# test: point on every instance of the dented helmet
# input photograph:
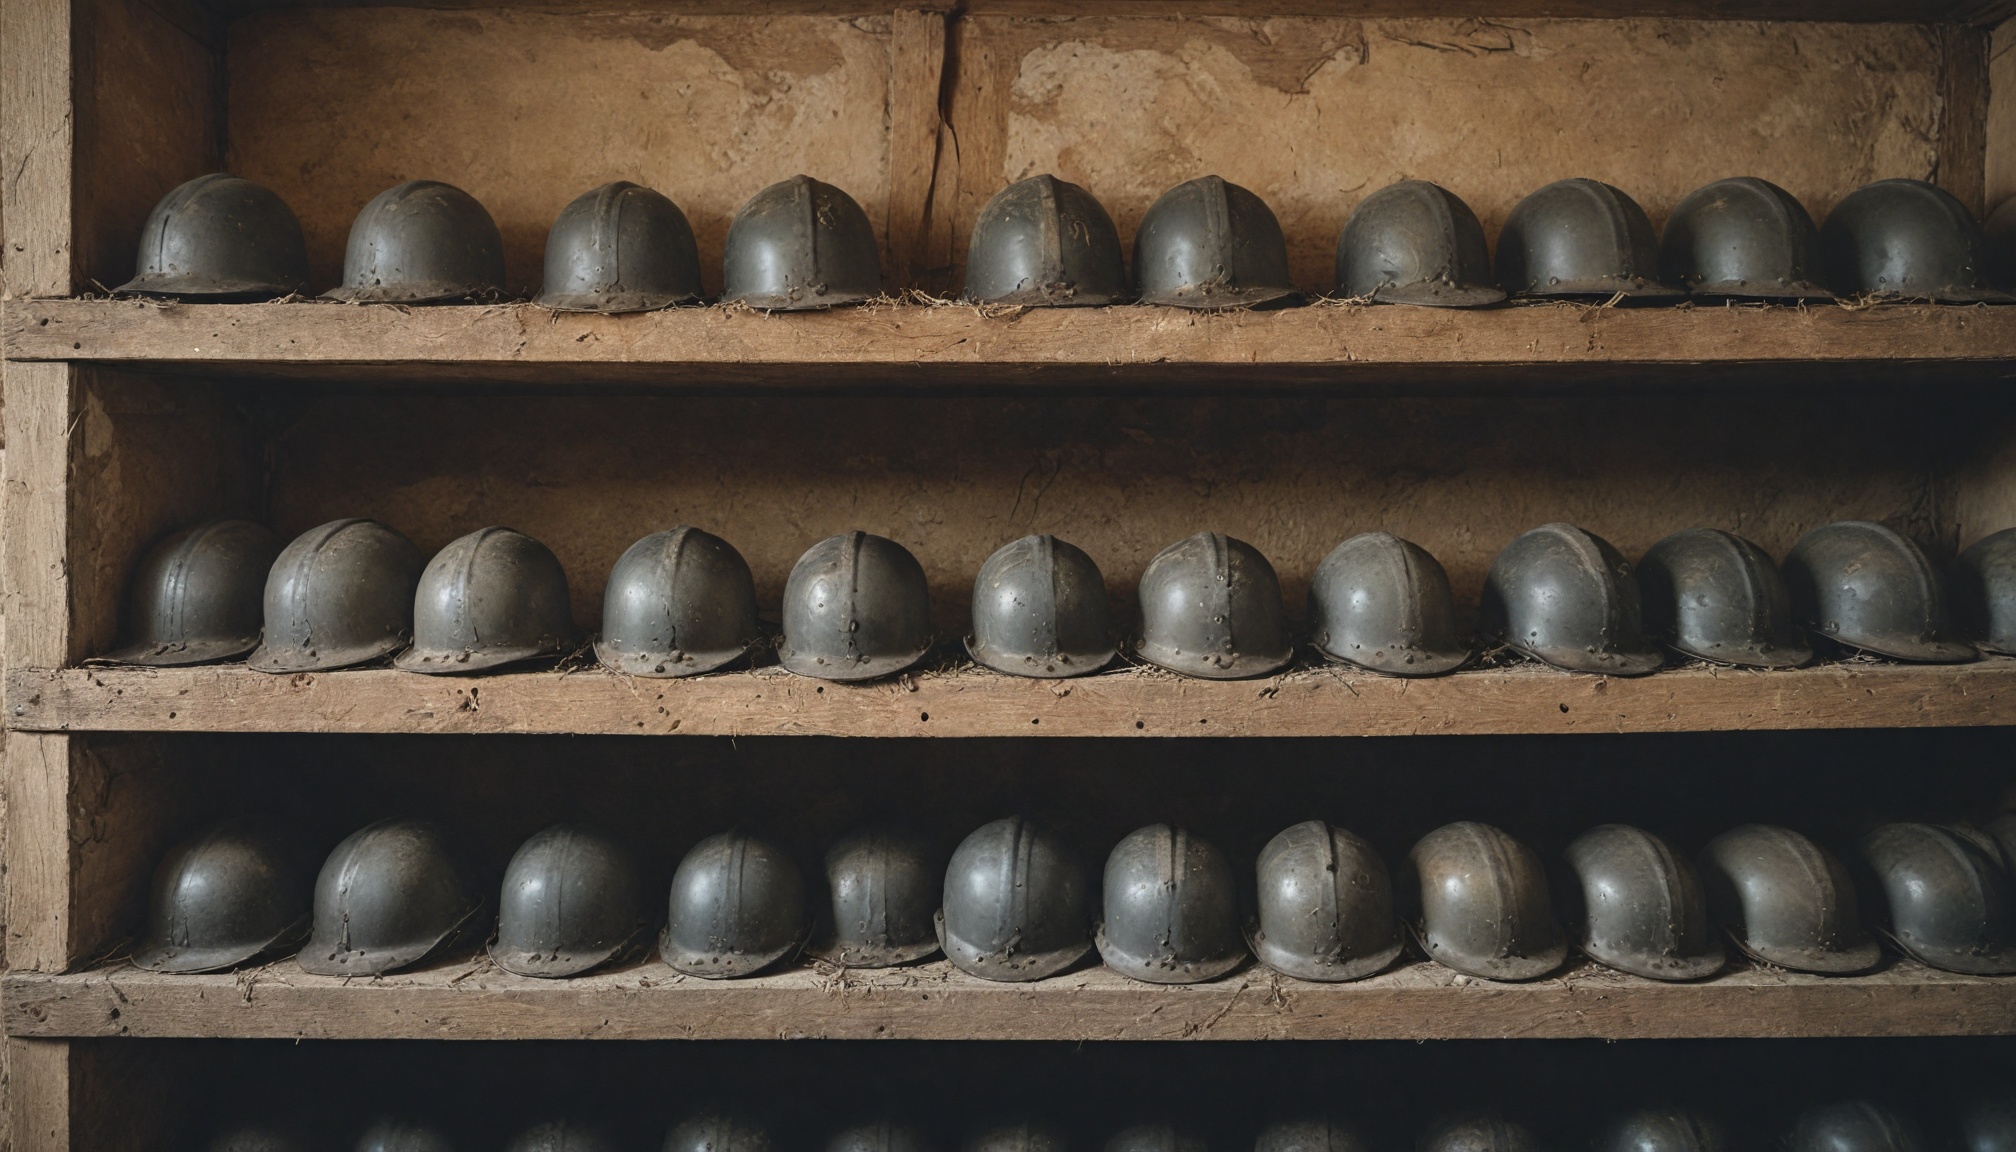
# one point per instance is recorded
(678, 603)
(1211, 608)
(196, 595)
(1481, 904)
(856, 607)
(1039, 609)
(1172, 909)
(1641, 908)
(1854, 1126)
(738, 906)
(1211, 244)
(421, 242)
(1906, 239)
(390, 896)
(491, 598)
(1326, 906)
(620, 248)
(1415, 243)
(800, 245)
(1983, 586)
(1786, 901)
(1015, 905)
(1861, 585)
(882, 891)
(571, 902)
(1042, 242)
(1746, 239)
(1715, 596)
(341, 594)
(1566, 597)
(218, 237)
(232, 895)
(1580, 238)
(1384, 604)
(1944, 897)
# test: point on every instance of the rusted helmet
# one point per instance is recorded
(678, 603)
(1861, 585)
(1565, 596)
(1015, 905)
(1211, 608)
(1384, 603)
(234, 894)
(571, 903)
(1715, 596)
(1989, 1126)
(421, 242)
(880, 1136)
(1172, 909)
(1911, 240)
(1944, 897)
(491, 598)
(1743, 238)
(1320, 1134)
(1156, 1138)
(1018, 1137)
(340, 594)
(1854, 1126)
(855, 607)
(800, 245)
(1786, 901)
(1478, 1132)
(1661, 1129)
(738, 906)
(562, 1136)
(1415, 243)
(195, 596)
(1580, 238)
(218, 237)
(1640, 907)
(1043, 242)
(1480, 904)
(391, 895)
(620, 248)
(1326, 906)
(1210, 244)
(403, 1134)
(1039, 609)
(1983, 584)
(882, 894)
(717, 1132)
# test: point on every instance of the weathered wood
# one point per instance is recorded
(38, 1094)
(1963, 114)
(1999, 130)
(35, 145)
(916, 74)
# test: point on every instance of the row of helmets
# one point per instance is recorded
(1209, 244)
(856, 606)
(1013, 903)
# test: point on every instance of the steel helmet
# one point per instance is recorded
(799, 245)
(1020, 1137)
(1172, 909)
(738, 906)
(855, 607)
(1044, 243)
(1156, 1138)
(1715, 596)
(1984, 592)
(421, 242)
(1211, 607)
(1861, 585)
(1663, 1129)
(339, 595)
(1854, 1126)
(1326, 906)
(880, 1136)
(1786, 901)
(218, 237)
(1943, 897)
(1641, 908)
(1384, 603)
(233, 894)
(1989, 1126)
(1478, 1132)
(1039, 609)
(490, 598)
(195, 596)
(1015, 904)
(620, 248)
(562, 1136)
(1481, 904)
(1744, 238)
(1909, 239)
(398, 1134)
(1580, 238)
(1308, 1135)
(882, 893)
(1415, 243)
(1211, 244)
(256, 1138)
(714, 1132)
(571, 903)
(390, 896)
(678, 603)
(1565, 596)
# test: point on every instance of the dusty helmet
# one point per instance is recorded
(1983, 584)
(1854, 1126)
(1664, 1129)
(714, 1132)
(620, 248)
(1326, 906)
(1641, 908)
(1715, 596)
(234, 894)
(1039, 609)
(1019, 1137)
(1308, 1135)
(1565, 596)
(1786, 901)
(1989, 1126)
(218, 237)
(1909, 239)
(1044, 243)
(1478, 1132)
(1861, 585)
(678, 603)
(398, 1134)
(1210, 244)
(491, 598)
(421, 242)
(1172, 909)
(1744, 238)
(562, 1136)
(195, 596)
(1384, 603)
(340, 594)
(799, 245)
(391, 895)
(855, 607)
(880, 1136)
(1945, 898)
(738, 906)
(1482, 904)
(1156, 1138)
(1580, 238)
(571, 902)
(1015, 904)
(882, 893)
(1415, 243)
(1211, 607)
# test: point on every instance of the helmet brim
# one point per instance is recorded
(1947, 295)
(1913, 651)
(1671, 969)
(613, 302)
(1421, 663)
(1744, 290)
(764, 302)
(1642, 663)
(175, 656)
(157, 955)
(549, 966)
(1154, 970)
(1025, 967)
(1047, 298)
(661, 665)
(436, 662)
(1435, 294)
(872, 668)
(421, 293)
(1788, 655)
(1320, 970)
(1245, 666)
(321, 957)
(1220, 300)
(1829, 962)
(182, 286)
(1508, 969)
(1062, 667)
(723, 965)
(279, 661)
(1606, 287)
(873, 956)
(1997, 961)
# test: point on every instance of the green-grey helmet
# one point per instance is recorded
(1715, 596)
(1580, 238)
(1384, 604)
(1907, 239)
(800, 245)
(1478, 902)
(1172, 909)
(678, 603)
(1326, 905)
(1661, 1129)
(1743, 238)
(1786, 901)
(341, 594)
(1854, 1126)
(738, 906)
(1415, 243)
(421, 242)
(490, 598)
(571, 903)
(856, 607)
(1211, 244)
(196, 595)
(620, 248)
(1639, 906)
(882, 893)
(1211, 608)
(218, 237)
(1044, 243)
(234, 894)
(1566, 597)
(1039, 609)
(1016, 907)
(1983, 586)
(1945, 896)
(1862, 585)
(390, 896)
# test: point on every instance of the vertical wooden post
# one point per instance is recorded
(916, 80)
(36, 145)
(1963, 119)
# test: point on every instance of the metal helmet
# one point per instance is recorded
(1786, 901)
(1854, 1126)
(880, 1136)
(1210, 244)
(715, 1132)
(398, 1134)
(738, 906)
(1308, 1135)
(1743, 238)
(1039, 609)
(1156, 1138)
(1989, 1126)
(1860, 585)
(1326, 906)
(1018, 1137)
(1415, 243)
(1715, 596)
(800, 245)
(218, 237)
(339, 595)
(1912, 240)
(1478, 1132)
(1482, 902)
(571, 903)
(1172, 909)
(1384, 603)
(882, 890)
(256, 1138)
(233, 894)
(1983, 584)
(421, 242)
(1661, 1129)
(490, 598)
(1042, 242)
(620, 248)
(562, 1136)
(678, 603)
(1565, 596)
(195, 596)
(1211, 608)
(1015, 904)
(1580, 238)
(855, 607)
(1641, 908)
(1944, 898)
(390, 896)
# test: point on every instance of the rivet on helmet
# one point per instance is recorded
(1854, 1126)
(1320, 1134)
(421, 242)
(1326, 905)
(1743, 238)
(882, 893)
(1015, 905)
(738, 906)
(1860, 585)
(562, 1136)
(400, 1134)
(196, 595)
(798, 245)
(218, 237)
(1786, 901)
(1639, 907)
(1661, 1129)
(678, 603)
(341, 594)
(1211, 608)
(1211, 244)
(571, 903)
(1983, 585)
(1044, 243)
(1943, 897)
(620, 248)
(232, 895)
(718, 1132)
(1415, 243)
(1580, 238)
(1478, 903)
(488, 599)
(1567, 597)
(1715, 596)
(856, 607)
(1383, 603)
(1172, 909)
(1478, 1132)
(1906, 239)
(1039, 609)
(390, 896)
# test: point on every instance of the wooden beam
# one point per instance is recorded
(38, 1094)
(36, 135)
(916, 75)
(1962, 147)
